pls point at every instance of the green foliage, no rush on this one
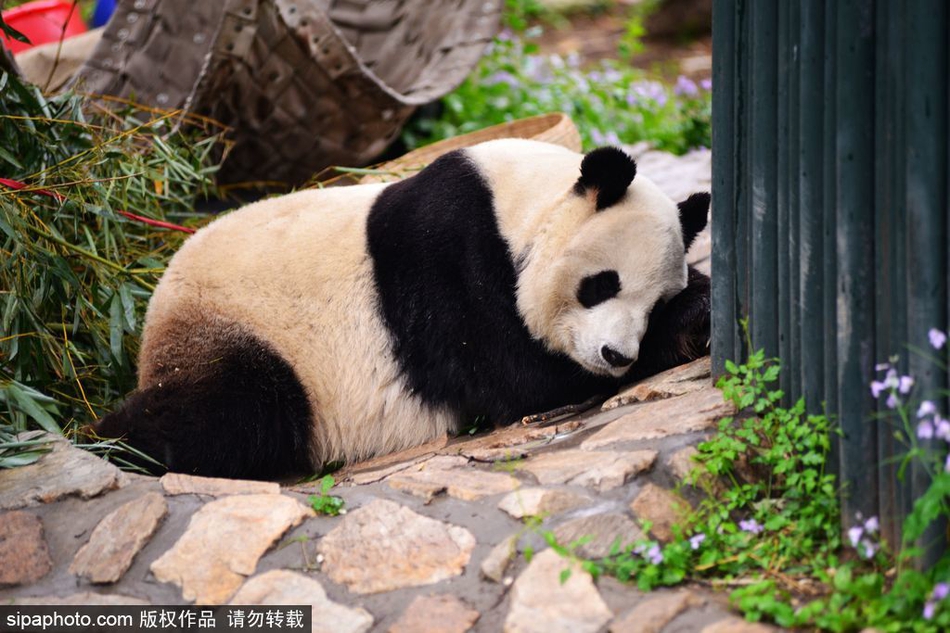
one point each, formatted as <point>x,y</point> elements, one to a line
<point>770,524</point>
<point>611,103</point>
<point>325,503</point>
<point>75,274</point>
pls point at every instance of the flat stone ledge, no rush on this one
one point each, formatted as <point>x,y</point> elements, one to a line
<point>655,612</point>
<point>542,603</point>
<point>698,411</point>
<point>540,502</point>
<point>600,470</point>
<point>384,546</point>
<point>116,540</point>
<point>283,587</point>
<point>223,542</point>
<point>64,471</point>
<point>436,614</point>
<point>181,484</point>
<point>24,555</point>
<point>678,381</point>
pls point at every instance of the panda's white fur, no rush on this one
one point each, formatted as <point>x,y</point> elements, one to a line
<point>295,276</point>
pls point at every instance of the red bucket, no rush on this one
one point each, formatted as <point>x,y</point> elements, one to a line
<point>42,22</point>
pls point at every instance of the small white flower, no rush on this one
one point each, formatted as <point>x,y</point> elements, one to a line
<point>937,338</point>
<point>855,534</point>
<point>926,408</point>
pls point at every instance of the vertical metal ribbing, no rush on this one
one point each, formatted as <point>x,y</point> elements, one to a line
<point>781,210</point>
<point>793,360</point>
<point>854,134</point>
<point>724,292</point>
<point>890,315</point>
<point>744,168</point>
<point>763,321</point>
<point>925,77</point>
<point>829,329</point>
<point>811,112</point>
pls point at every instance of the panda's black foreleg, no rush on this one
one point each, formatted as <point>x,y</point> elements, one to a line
<point>677,334</point>
<point>242,414</point>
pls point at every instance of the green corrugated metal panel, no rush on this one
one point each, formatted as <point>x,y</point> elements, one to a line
<point>831,190</point>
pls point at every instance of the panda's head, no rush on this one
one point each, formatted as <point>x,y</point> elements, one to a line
<point>607,252</point>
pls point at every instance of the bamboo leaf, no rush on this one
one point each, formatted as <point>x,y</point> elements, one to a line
<point>27,405</point>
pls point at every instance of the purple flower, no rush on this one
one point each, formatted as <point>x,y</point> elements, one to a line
<point>870,549</point>
<point>751,525</point>
<point>937,338</point>
<point>926,408</point>
<point>876,388</point>
<point>639,549</point>
<point>655,555</point>
<point>882,366</point>
<point>685,87</point>
<point>706,84</point>
<point>892,401</point>
<point>929,608</point>
<point>501,77</point>
<point>855,534</point>
<point>646,92</point>
<point>925,430</point>
<point>696,540</point>
<point>942,429</point>
<point>946,466</point>
<point>906,384</point>
<point>872,525</point>
<point>941,590</point>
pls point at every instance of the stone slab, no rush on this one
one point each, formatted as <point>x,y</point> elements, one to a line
<point>698,411</point>
<point>283,587</point>
<point>436,614</point>
<point>654,613</point>
<point>600,470</point>
<point>494,565</point>
<point>181,484</point>
<point>738,625</point>
<point>24,555</point>
<point>223,542</point>
<point>603,530</point>
<point>678,381</point>
<point>467,484</point>
<point>542,603</point>
<point>64,471</point>
<point>540,502</point>
<point>661,507</point>
<point>118,538</point>
<point>384,546</point>
<point>84,599</point>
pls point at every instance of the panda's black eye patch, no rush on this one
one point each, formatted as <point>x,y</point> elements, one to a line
<point>595,289</point>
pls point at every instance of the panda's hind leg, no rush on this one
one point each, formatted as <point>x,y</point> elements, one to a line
<point>234,409</point>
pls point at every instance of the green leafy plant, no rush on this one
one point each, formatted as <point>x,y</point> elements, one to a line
<point>770,523</point>
<point>610,103</point>
<point>325,503</point>
<point>76,268</point>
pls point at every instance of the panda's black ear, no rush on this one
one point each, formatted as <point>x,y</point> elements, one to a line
<point>693,213</point>
<point>608,171</point>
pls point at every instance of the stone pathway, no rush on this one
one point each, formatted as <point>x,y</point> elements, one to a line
<point>430,540</point>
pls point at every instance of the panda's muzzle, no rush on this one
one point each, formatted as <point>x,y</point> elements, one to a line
<point>615,358</point>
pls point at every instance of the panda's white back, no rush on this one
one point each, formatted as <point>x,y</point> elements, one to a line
<point>295,270</point>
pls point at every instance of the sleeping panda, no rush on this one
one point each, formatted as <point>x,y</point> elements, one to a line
<point>338,324</point>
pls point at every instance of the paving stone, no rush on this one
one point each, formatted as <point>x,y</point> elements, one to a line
<point>180,484</point>
<point>495,564</point>
<point>515,438</point>
<point>84,599</point>
<point>118,538</point>
<point>540,502</point>
<point>467,484</point>
<point>662,507</point>
<point>603,530</point>
<point>283,587</point>
<point>64,471</point>
<point>738,625</point>
<point>223,543</point>
<point>694,376</point>
<point>379,468</point>
<point>384,546</point>
<point>436,614</point>
<point>693,412</point>
<point>24,556</point>
<point>601,470</point>
<point>654,613</point>
<point>542,603</point>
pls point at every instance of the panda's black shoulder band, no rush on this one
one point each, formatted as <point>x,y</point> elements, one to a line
<point>609,171</point>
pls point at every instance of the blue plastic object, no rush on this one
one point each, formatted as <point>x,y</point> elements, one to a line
<point>102,13</point>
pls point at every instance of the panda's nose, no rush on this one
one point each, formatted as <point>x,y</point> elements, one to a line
<point>615,358</point>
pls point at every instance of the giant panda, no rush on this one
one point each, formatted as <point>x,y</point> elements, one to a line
<point>504,279</point>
